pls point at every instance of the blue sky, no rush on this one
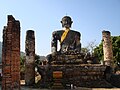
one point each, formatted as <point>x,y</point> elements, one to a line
<point>90,18</point>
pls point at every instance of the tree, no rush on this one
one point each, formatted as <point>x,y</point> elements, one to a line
<point>89,48</point>
<point>116,48</point>
<point>37,59</point>
<point>22,58</point>
<point>98,51</point>
<point>88,53</point>
<point>22,63</point>
<point>85,50</point>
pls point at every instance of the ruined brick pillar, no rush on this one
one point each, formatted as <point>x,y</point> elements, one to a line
<point>30,58</point>
<point>11,55</point>
<point>107,48</point>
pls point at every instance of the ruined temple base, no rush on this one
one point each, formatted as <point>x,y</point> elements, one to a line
<point>82,75</point>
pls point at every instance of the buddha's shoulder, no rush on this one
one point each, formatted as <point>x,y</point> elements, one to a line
<point>75,32</point>
<point>61,31</point>
<point>58,31</point>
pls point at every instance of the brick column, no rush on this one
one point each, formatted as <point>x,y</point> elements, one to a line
<point>30,58</point>
<point>107,48</point>
<point>11,55</point>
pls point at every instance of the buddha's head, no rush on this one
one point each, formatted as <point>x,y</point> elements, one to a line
<point>66,22</point>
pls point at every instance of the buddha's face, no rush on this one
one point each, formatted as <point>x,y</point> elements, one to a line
<point>66,22</point>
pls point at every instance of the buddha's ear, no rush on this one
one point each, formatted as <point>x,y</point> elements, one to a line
<point>71,21</point>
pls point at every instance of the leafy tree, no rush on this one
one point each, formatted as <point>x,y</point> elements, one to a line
<point>116,48</point>
<point>89,48</point>
<point>85,50</point>
<point>22,60</point>
<point>98,51</point>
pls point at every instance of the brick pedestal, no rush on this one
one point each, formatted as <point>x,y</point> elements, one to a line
<point>11,55</point>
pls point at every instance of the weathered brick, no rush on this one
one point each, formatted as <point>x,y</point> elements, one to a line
<point>11,55</point>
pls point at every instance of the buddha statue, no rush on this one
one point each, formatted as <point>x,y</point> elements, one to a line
<point>70,45</point>
<point>69,39</point>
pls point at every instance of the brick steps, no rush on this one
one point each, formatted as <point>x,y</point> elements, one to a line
<point>57,84</point>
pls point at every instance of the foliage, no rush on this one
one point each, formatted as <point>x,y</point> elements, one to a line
<point>89,48</point>
<point>98,51</point>
<point>22,61</point>
<point>116,48</point>
<point>37,59</point>
<point>84,50</point>
<point>22,58</point>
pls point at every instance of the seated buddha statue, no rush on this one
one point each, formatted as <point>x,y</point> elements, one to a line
<point>69,40</point>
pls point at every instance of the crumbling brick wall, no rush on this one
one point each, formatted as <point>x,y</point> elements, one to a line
<point>11,55</point>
